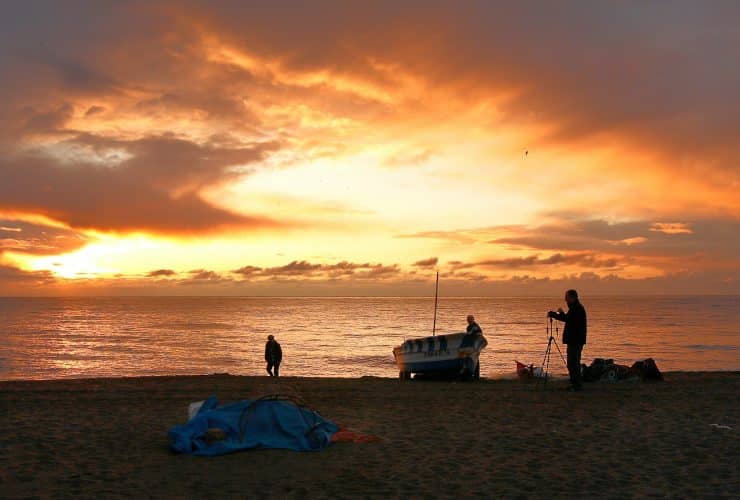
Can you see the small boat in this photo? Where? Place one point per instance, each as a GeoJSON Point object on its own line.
{"type": "Point", "coordinates": [454, 354]}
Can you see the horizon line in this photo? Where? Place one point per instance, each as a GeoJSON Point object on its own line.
{"type": "Point", "coordinates": [598, 295]}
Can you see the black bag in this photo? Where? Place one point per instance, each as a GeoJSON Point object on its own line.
{"type": "Point", "coordinates": [598, 368]}
{"type": "Point", "coordinates": [647, 370]}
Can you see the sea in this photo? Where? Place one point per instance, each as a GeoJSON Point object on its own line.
{"type": "Point", "coordinates": [59, 338]}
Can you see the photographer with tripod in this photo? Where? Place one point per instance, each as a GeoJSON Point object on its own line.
{"type": "Point", "coordinates": [574, 335]}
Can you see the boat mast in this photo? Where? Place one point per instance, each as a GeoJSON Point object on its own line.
{"type": "Point", "coordinates": [436, 294]}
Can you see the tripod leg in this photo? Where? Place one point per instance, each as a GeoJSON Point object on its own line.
{"type": "Point", "coordinates": [547, 355]}
{"type": "Point", "coordinates": [561, 355]}
{"type": "Point", "coordinates": [546, 363]}
{"type": "Point", "coordinates": [545, 370]}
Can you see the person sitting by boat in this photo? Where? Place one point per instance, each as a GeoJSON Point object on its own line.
{"type": "Point", "coordinates": [473, 327]}
{"type": "Point", "coordinates": [273, 356]}
{"type": "Point", "coordinates": [473, 331]}
{"type": "Point", "coordinates": [473, 334]}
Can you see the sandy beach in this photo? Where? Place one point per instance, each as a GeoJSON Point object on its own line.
{"type": "Point", "coordinates": [495, 438]}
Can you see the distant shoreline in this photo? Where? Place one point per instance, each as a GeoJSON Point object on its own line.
{"type": "Point", "coordinates": [450, 297]}
{"type": "Point", "coordinates": [500, 378]}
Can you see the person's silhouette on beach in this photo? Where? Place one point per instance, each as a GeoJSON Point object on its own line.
{"type": "Point", "coordinates": [273, 356]}
{"type": "Point", "coordinates": [574, 335]}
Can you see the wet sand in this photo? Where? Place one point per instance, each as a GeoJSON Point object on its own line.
{"type": "Point", "coordinates": [501, 438]}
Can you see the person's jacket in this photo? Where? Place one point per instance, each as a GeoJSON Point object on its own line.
{"type": "Point", "coordinates": [574, 331]}
{"type": "Point", "coordinates": [273, 352]}
{"type": "Point", "coordinates": [474, 328]}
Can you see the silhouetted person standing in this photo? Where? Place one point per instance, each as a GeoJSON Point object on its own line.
{"type": "Point", "coordinates": [574, 335]}
{"type": "Point", "coordinates": [273, 356]}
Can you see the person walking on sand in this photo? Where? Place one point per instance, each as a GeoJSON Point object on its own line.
{"type": "Point", "coordinates": [574, 335]}
{"type": "Point", "coordinates": [273, 356]}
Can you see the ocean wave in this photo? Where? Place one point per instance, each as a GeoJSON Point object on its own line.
{"type": "Point", "coordinates": [193, 325]}
{"type": "Point", "coordinates": [706, 347]}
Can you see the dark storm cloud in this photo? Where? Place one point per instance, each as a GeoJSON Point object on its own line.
{"type": "Point", "coordinates": [155, 189]}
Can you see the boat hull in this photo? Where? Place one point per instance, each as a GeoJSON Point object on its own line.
{"type": "Point", "coordinates": [451, 353]}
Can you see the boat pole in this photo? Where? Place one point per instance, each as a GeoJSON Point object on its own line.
{"type": "Point", "coordinates": [436, 294]}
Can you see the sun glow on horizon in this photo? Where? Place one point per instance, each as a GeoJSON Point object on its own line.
{"type": "Point", "coordinates": [103, 258]}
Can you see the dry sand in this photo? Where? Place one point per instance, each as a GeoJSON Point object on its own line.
{"type": "Point", "coordinates": [505, 438]}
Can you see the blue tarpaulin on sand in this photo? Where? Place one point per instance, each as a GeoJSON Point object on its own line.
{"type": "Point", "coordinates": [261, 423]}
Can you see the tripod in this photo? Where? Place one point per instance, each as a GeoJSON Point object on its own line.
{"type": "Point", "coordinates": [545, 370]}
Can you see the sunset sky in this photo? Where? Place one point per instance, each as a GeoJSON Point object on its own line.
{"type": "Point", "coordinates": [354, 148]}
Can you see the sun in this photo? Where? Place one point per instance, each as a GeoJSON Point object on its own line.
{"type": "Point", "coordinates": [98, 259]}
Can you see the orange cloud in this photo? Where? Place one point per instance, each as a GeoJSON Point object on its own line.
{"type": "Point", "coordinates": [430, 262]}
{"type": "Point", "coordinates": [387, 118]}
{"type": "Point", "coordinates": [156, 188]}
{"type": "Point", "coordinates": [671, 228]}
